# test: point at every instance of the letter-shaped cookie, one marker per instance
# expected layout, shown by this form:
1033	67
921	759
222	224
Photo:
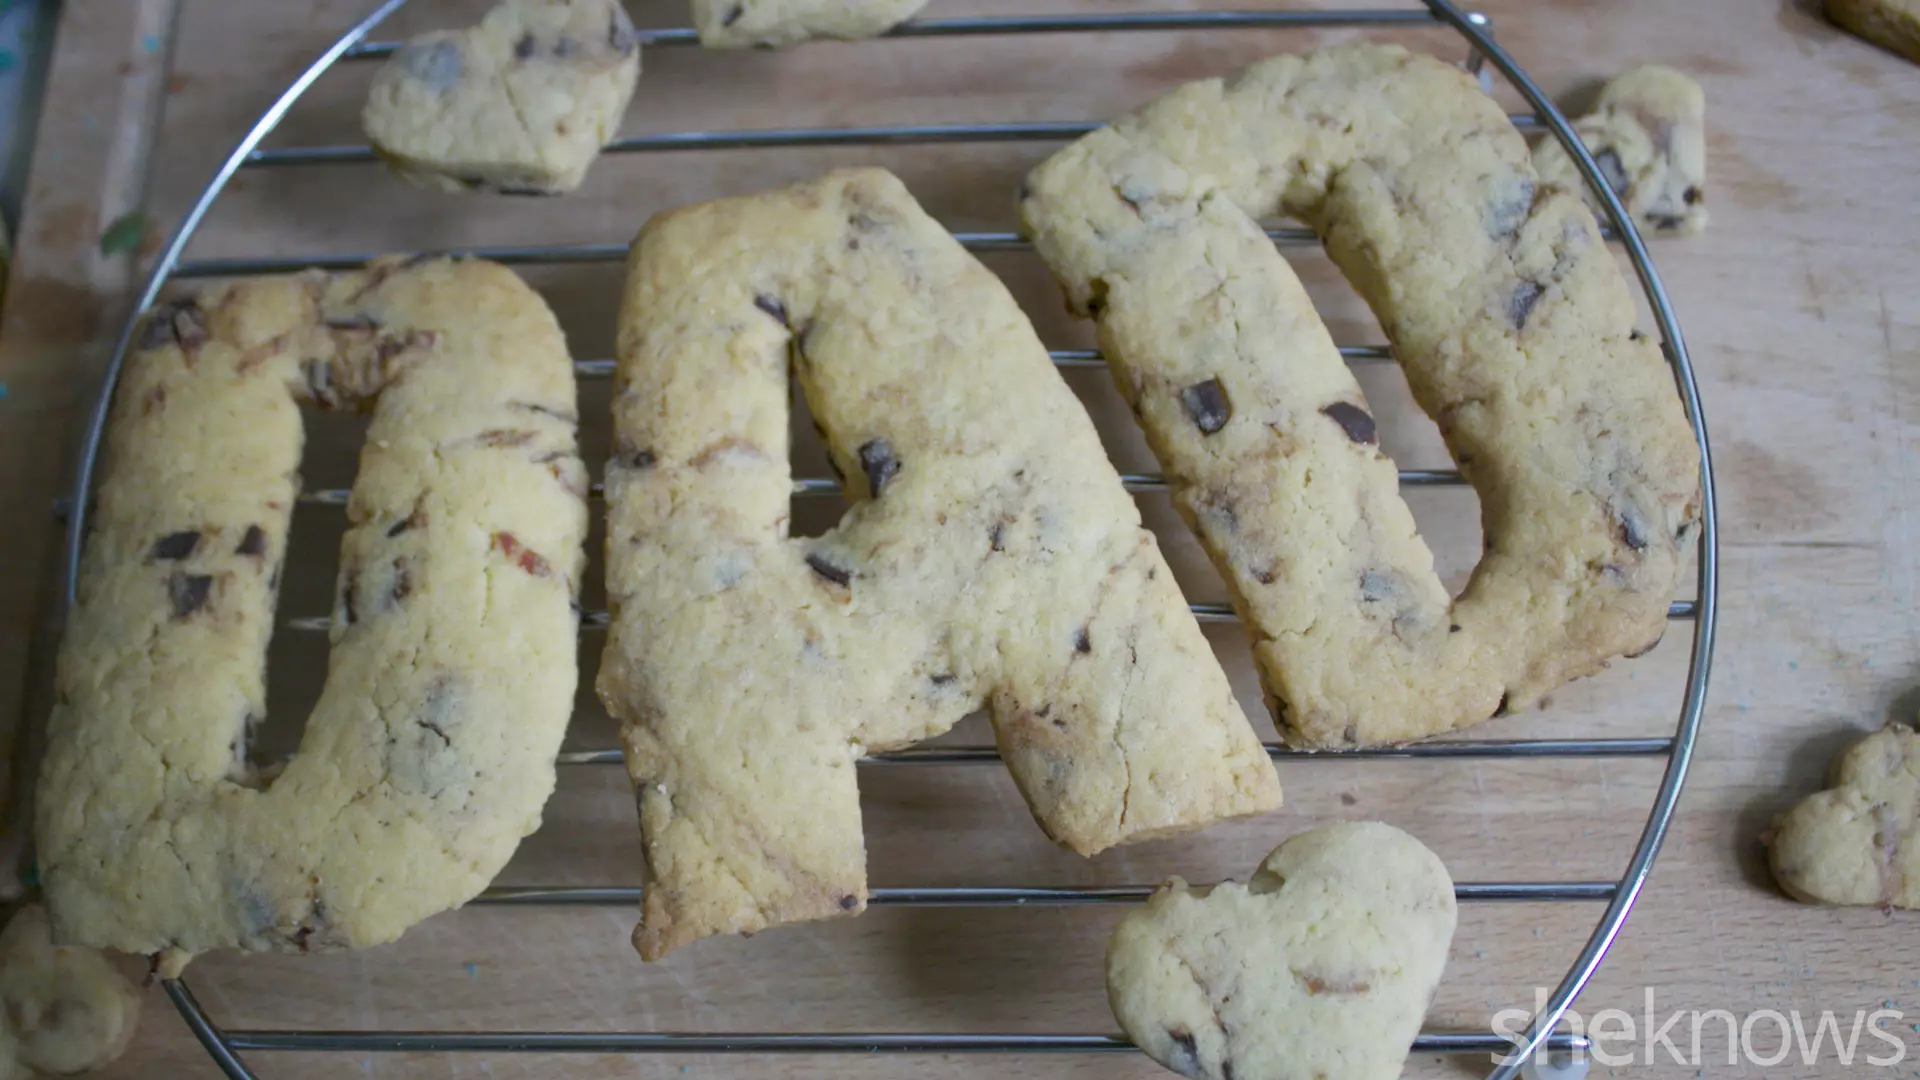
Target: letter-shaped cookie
520	104
1852	843
1516	333
991	559
740	24
453	665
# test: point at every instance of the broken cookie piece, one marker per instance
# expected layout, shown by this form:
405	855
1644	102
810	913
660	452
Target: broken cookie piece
63	1009
1648	135
741	24
1850	843
1890	24
520	104
1319	968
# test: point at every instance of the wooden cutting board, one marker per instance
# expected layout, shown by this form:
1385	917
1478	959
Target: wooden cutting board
1798	304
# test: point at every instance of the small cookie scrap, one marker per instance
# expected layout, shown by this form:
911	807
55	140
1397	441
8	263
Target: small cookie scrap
63	1009
520	104
1648	135
1319	968
1850	844
1890	24
453	664
991	560
740	24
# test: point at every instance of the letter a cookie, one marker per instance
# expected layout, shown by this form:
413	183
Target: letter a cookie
991	560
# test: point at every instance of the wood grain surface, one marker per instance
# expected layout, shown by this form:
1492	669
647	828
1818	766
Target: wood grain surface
1798	304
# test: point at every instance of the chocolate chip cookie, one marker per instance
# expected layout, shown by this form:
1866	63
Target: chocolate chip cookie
1890	24
1319	968
991	560
740	24
1851	844
63	1009
1648	134
453	665
520	104
1516	333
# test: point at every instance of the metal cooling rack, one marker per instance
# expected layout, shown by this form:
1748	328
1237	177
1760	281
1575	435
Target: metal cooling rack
226	1045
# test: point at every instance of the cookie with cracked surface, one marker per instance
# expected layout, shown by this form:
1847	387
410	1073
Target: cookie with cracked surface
520	104
991	560
1648	134
740	24
63	1009
1851	844
1319	968
1890	24
453	666
1516	333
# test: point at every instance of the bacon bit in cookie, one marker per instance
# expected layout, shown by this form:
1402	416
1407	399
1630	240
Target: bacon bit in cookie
849	902
188	592
527	558
1319	984
1082	641
1353	420
997	536
155	400
402	583
1206	402
253	543
175	546
504	437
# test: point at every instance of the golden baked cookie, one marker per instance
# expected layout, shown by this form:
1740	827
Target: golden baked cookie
991	560
63	1009
1852	844
1648	134
1319	968
1890	24
1510	319
520	104
739	24
453	665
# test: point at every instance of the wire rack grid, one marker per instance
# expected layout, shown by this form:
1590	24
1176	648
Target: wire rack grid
226	1045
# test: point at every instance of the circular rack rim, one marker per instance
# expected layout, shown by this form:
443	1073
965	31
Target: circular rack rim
223	1046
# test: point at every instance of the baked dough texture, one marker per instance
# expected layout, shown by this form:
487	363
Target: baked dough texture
520	104
453	664
1890	24
1516	333
991	559
64	1010
1852	844
1648	134
740	24
1319	968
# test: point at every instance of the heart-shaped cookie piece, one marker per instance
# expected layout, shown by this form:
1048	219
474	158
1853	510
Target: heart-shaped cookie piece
1848	844
520	104
63	1009
1319	968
